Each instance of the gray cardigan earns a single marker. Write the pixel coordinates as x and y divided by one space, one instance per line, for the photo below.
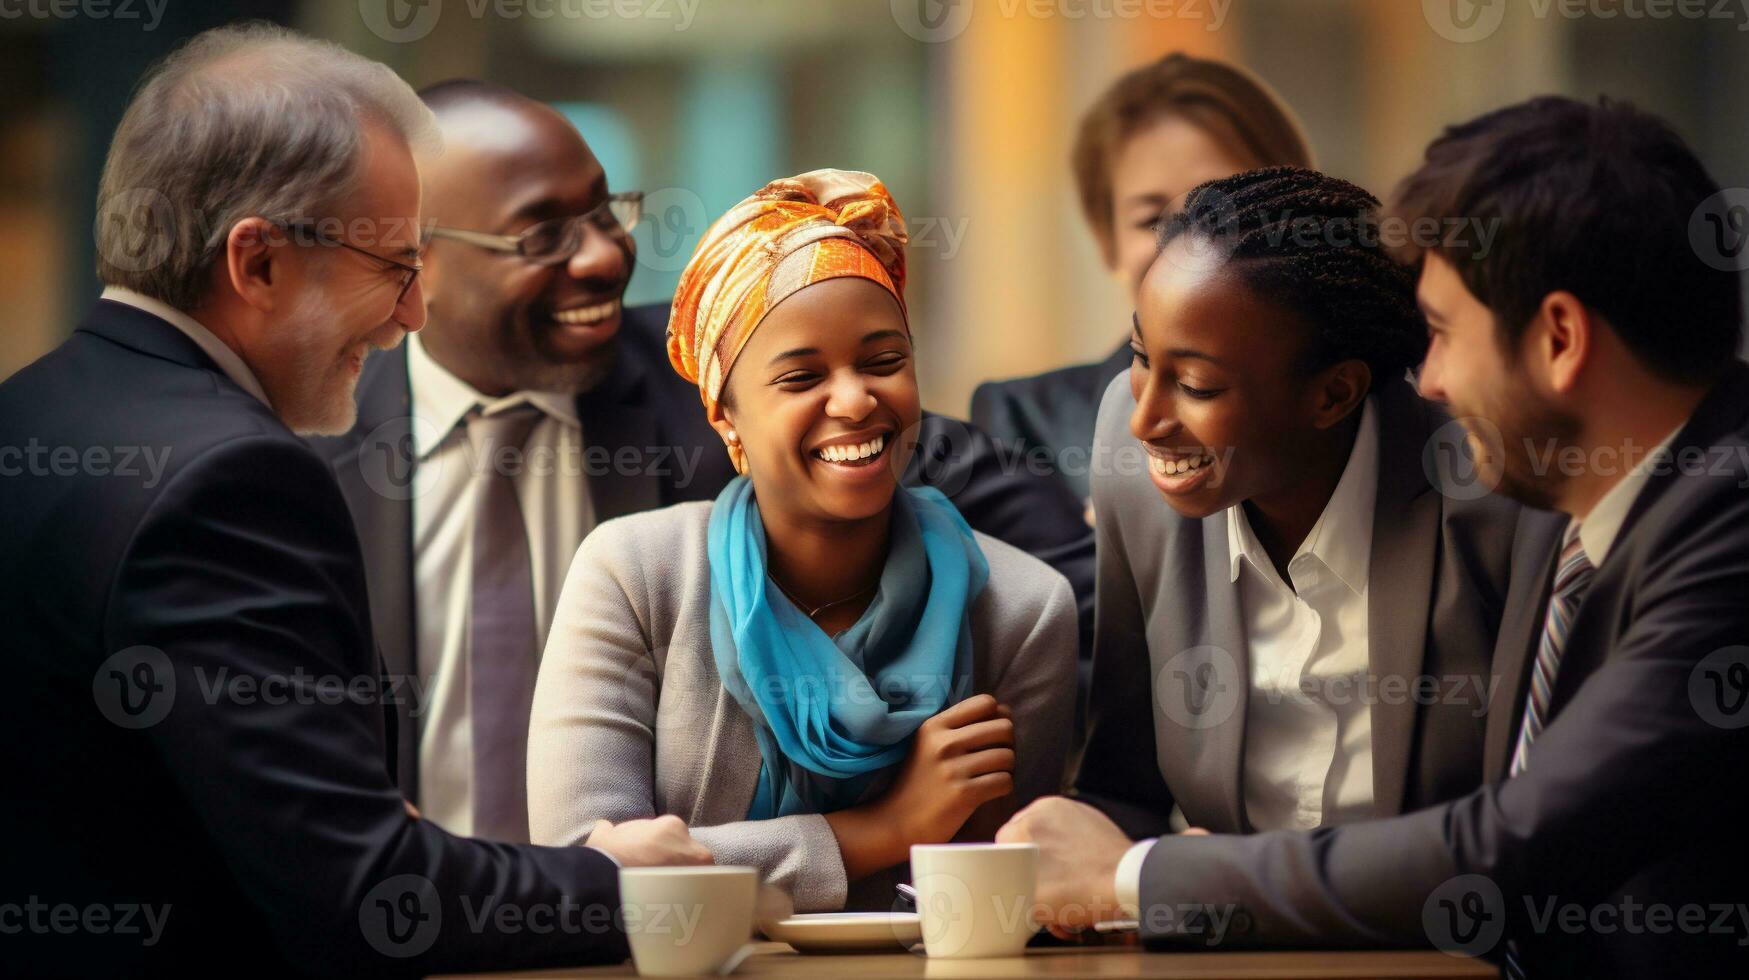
631 720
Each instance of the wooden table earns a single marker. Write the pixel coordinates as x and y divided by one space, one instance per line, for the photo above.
778 960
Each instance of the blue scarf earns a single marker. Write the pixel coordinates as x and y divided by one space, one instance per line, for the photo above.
833 714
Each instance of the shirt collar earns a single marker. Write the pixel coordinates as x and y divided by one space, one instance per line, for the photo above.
1600 528
1342 537
441 400
227 359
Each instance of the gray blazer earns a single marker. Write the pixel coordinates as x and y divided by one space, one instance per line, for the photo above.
631 718
1170 668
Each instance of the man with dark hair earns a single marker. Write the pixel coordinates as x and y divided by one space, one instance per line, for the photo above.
1591 362
529 258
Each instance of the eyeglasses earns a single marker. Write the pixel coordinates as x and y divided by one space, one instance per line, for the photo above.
555 241
405 274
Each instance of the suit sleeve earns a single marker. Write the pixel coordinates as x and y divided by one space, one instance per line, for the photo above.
1119 771
1626 774
998 492
1038 685
993 413
592 736
245 575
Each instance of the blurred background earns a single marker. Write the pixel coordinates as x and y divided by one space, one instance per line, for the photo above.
966 108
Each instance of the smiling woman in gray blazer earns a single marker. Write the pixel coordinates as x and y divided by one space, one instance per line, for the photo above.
1296 623
819 668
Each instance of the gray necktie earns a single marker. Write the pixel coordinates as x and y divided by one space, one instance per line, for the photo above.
501 636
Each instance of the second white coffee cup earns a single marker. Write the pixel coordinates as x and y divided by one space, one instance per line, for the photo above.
687 921
974 901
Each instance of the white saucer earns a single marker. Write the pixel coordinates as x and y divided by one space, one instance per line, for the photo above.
845 932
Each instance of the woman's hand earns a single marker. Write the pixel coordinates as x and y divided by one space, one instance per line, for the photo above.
960 759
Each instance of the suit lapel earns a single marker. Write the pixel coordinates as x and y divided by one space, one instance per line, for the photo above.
1405 539
376 476
617 418
1201 750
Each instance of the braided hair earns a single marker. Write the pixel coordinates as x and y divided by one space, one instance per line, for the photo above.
1311 243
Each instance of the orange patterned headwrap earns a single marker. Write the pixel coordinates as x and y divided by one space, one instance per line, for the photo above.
791 233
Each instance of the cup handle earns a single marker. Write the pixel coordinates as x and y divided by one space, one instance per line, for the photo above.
736 959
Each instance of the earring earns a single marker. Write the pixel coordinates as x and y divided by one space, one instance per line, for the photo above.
734 438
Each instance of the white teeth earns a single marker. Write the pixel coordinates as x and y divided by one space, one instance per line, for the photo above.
850 454
587 314
1175 467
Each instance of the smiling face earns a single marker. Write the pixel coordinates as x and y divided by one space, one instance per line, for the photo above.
499 321
342 303
1224 407
1483 384
1158 165
823 399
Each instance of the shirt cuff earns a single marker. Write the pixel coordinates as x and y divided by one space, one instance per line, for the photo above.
616 863
1128 887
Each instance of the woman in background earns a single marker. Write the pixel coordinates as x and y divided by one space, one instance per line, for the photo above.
1156 133
819 668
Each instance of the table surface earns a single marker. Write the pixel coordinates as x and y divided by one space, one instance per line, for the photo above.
778 960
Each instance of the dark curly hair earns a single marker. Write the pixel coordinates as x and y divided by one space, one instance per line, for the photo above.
1311 243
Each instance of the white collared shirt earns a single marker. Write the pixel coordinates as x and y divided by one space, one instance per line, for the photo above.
228 360
1599 529
1308 726
558 511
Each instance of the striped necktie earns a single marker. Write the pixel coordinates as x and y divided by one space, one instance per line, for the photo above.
1572 578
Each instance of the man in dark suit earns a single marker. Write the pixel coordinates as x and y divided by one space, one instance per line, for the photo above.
1050 415
197 765
528 261
1591 355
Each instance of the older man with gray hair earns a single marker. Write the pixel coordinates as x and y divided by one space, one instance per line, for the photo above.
197 759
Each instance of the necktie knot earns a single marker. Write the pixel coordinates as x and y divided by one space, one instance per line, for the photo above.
1575 569
502 431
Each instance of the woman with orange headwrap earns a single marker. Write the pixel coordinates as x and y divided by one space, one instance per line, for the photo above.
820 668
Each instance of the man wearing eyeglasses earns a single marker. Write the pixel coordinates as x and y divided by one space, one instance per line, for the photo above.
469 528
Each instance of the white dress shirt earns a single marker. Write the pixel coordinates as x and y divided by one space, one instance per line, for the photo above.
227 359
1308 727
1308 724
1598 531
557 509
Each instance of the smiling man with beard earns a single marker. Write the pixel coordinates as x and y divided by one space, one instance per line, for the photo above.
467 538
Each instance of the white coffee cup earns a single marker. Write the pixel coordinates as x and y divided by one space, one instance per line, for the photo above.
974 901
687 921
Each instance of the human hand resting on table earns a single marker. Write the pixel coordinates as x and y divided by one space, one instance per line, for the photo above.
1078 852
960 759
661 842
